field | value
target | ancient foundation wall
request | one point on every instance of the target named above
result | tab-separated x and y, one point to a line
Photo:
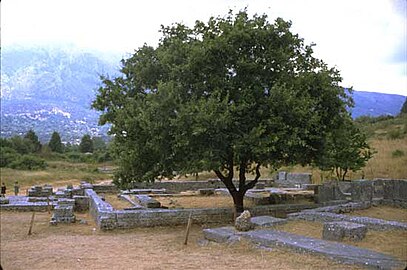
178	186
107	218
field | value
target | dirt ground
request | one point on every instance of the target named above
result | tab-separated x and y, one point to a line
392	242
80	246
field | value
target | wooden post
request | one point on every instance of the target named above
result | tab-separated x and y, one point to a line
188	228
31	224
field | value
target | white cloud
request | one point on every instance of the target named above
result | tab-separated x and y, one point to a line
364	39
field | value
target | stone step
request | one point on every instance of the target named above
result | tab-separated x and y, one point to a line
267	221
343	253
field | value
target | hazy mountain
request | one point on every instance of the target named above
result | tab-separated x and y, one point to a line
51	89
47	89
375	104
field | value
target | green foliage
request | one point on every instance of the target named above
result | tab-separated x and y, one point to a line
86	145
55	143
7	156
345	149
33	138
236	91
397	153
28	162
395	134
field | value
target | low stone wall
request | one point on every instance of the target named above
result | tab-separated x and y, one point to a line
179	186
285	179
107	218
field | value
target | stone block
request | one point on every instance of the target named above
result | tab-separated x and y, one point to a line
147	201
4	200
206	191
362	190
260	185
378	189
81	203
219	235
267	221
258	199
329	191
68	202
341	230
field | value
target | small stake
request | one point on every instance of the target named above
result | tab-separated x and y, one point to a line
31	223
188	228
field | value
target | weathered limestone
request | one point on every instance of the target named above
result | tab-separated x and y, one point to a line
371	223
81	203
40	191
346	254
362	190
329	191
243	223
338	231
63	214
4	200
219	235
267	221
285	179
147	201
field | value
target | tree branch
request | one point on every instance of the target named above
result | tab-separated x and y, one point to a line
251	184
227	181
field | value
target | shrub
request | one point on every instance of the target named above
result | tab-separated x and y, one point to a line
7	156
395	134
27	162
397	153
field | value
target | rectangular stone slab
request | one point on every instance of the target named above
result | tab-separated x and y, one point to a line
267	221
340	252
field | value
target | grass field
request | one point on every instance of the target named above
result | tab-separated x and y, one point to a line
58	173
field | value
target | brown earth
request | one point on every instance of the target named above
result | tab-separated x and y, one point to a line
392	242
79	246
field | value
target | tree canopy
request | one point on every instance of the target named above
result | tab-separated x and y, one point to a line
86	145
235	92
55	143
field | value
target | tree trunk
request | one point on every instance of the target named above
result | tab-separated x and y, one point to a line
238	194
238	202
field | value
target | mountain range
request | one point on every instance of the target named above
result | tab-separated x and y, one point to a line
51	89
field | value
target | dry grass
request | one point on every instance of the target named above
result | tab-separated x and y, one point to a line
382	165
383	212
58	174
116	202
78	246
389	242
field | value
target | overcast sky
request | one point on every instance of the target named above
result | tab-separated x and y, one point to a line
365	40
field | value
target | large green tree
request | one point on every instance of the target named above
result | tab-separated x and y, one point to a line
345	149
86	145
55	143
33	139
237	92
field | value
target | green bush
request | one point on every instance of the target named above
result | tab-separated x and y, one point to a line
7	156
395	134
27	162
397	153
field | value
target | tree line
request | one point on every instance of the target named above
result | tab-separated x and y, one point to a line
27	153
